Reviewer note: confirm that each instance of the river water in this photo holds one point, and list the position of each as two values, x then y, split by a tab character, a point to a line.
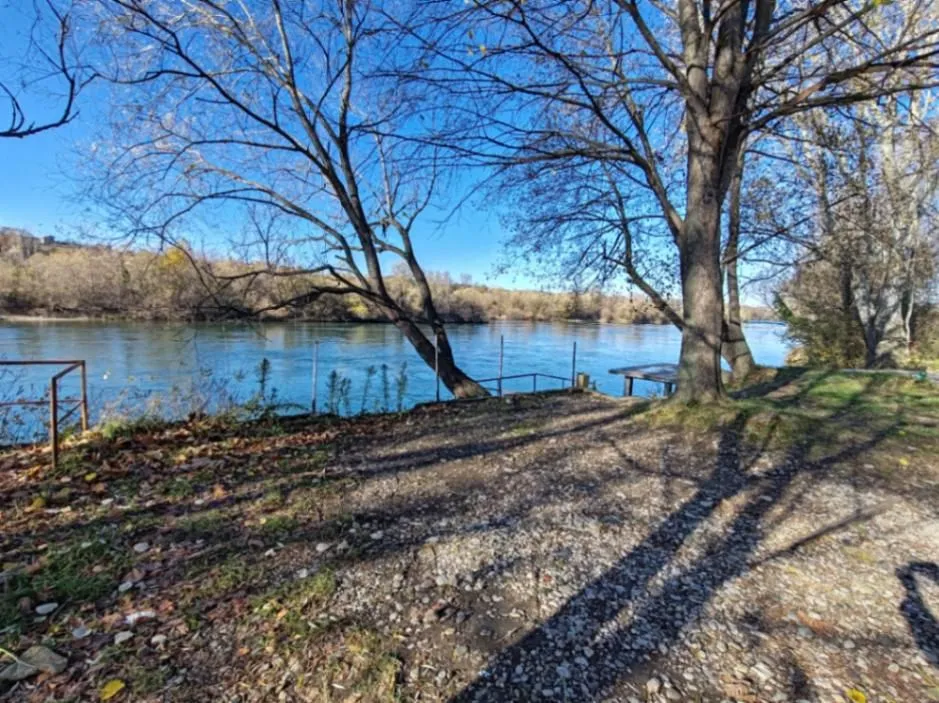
181	366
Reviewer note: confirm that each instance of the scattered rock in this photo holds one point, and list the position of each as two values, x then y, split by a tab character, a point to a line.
138	615
122	637
158	639
34	660
80	632
653	686
17	671
46	608
141	547
436	612
760	673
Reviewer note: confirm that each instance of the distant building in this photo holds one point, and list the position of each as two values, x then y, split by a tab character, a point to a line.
20	244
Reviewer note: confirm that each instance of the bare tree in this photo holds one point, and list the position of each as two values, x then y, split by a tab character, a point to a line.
48	58
872	171
735	347
278	120
627	83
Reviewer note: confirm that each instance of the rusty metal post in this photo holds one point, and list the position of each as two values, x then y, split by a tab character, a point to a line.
84	399
316	363
501	359
54	421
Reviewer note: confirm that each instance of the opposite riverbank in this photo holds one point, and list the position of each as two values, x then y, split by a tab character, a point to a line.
49	279
567	546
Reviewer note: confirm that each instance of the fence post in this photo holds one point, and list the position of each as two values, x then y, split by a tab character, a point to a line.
574	365
501	357
84	400
437	365
54	421
316	363
534	383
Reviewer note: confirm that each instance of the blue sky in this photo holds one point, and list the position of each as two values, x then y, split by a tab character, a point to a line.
39	185
38	193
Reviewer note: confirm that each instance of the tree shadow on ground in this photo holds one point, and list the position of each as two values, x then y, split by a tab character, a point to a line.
614	624
923	623
639	607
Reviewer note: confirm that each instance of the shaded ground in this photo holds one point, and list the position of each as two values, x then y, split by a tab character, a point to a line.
559	547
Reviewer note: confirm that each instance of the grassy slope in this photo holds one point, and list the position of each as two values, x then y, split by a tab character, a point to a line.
229	494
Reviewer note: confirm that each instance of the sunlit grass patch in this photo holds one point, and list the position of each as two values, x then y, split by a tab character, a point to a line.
279	525
211	580
294	613
117	428
74	574
523	429
206	524
824	412
361	665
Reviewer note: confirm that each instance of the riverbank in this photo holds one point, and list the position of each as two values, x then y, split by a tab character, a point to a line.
71	280
569	547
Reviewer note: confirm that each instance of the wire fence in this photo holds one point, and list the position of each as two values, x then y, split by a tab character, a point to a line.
338	384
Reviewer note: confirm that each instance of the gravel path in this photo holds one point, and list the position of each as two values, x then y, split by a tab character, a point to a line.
549	550
558	549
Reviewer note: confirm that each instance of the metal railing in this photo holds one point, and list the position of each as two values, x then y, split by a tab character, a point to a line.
534	376
565	382
79	404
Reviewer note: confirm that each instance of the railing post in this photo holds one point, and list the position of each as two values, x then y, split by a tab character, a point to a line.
574	365
54	421
84	399
501	358
316	364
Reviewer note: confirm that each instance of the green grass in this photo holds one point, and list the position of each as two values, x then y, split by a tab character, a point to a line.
825	411
123	427
79	572
280	525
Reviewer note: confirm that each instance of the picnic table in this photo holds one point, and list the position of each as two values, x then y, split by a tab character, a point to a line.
666	374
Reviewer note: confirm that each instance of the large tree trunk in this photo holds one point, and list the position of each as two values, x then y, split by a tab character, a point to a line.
456	381
884	332
735	347
699	366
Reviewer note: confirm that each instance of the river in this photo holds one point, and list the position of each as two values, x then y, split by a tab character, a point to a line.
177	367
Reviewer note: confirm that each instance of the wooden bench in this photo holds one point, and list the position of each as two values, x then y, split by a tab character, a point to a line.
666	374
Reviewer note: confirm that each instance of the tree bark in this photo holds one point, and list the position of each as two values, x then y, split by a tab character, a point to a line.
699	366
456	381
735	347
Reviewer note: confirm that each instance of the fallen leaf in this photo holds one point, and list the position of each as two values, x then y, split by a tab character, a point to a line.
111	689
855	695
38	504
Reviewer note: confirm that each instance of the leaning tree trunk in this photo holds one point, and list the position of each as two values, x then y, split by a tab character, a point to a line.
699	366
735	347
456	381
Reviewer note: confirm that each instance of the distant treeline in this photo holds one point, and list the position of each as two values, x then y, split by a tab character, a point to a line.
52	279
